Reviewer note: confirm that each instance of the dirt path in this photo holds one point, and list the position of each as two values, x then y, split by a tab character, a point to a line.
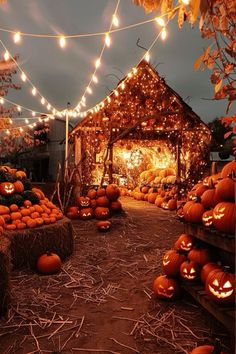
102	301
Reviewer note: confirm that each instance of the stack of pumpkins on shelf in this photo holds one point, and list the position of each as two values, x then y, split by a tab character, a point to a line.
188	262
100	203
212	201
157	176
22	206
162	198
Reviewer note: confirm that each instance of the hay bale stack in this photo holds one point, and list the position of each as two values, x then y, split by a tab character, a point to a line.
27	245
4	274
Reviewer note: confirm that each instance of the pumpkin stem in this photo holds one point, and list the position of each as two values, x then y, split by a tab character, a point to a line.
48	253
217	347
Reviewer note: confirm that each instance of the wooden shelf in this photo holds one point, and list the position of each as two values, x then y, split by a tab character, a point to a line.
224	314
213	237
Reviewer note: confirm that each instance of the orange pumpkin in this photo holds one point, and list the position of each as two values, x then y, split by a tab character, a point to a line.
206	269
152	197
92	193
16	215
21	174
39	193
200	255
166	288
7	188
102	213
158	201
21	226
209	198
116	206
172	204
14	207
207	218
31	223
19	187
2	221
228	169
86	213
171	262
102	201
144	190
49	263
113	192
103	226
101	192
224	217
225	190
204	349
10	227
194	212
220	287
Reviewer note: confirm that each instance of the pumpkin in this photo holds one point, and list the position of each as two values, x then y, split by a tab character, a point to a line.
144	189
207	268
32	196
93	203
200	255
190	270
112	192
225	190
194	212
72	212
228	169
205	349
171	262
13	207
38	192
104	226
209	198
7	188
116	206
2	221
103	201
49	263
21	174
219	286
83	202
92	193
16	215
224	217
102	213
152	197
207	218
184	243
172	204
166	288
200	190
101	192
86	213
158	201
19	187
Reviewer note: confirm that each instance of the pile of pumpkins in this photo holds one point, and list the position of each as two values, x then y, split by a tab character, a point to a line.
189	262
212	201
22	206
156	176
100	203
162	198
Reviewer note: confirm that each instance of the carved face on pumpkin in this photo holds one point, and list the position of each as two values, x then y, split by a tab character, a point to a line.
83	202
220	286
104	225
165	288
171	262
185	242
86	213
190	270
7	188
207	218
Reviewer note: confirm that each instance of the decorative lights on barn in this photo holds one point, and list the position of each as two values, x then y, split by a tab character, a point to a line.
147	57
115	20
6	55
17	37
163	34
107	40
62	42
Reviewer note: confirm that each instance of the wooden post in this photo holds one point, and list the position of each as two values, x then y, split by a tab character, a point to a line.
110	167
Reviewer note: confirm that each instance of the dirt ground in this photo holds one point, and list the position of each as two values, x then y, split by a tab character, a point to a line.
102	301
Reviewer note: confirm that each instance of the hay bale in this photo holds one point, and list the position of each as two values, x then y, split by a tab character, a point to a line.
4	274
27	245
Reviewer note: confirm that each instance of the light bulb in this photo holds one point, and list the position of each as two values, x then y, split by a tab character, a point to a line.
109	99
43	100
95	79
8	132
34	124
33	113
10	121
6	55
185	2
115	20
1	100
160	21
129	74
97	63
135	70
62	41
26	121
40	119
89	90
17	37
21	129
19	108
107	40
48	106
147	57
116	93
123	85
34	91
163	34
23	77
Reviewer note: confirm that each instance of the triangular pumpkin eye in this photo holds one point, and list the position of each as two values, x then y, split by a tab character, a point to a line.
171	288
185	270
183	242
227	285
215	282
189	244
161	287
192	271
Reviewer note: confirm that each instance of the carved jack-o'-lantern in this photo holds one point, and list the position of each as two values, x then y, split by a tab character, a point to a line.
171	262
219	286
7	188
102	213
207	218
86	213
224	217
207	268
190	270
104	226
166	288
185	242
83	202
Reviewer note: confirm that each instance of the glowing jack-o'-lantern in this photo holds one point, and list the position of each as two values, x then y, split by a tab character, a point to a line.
207	218
102	213
83	202
220	286
166	288
207	268
7	188
86	213
190	270
104	226
224	217
171	262
185	243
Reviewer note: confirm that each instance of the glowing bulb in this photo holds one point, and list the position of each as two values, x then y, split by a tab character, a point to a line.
123	85
163	34
52	117
1	100
115	20
83	104
40	119
109	99
116	93
34	125
147	57
34	91
21	129
33	113
8	132
135	70
6	55
129	75
95	79
10	121
43	100
160	21
48	106
89	90
19	108
62	41
17	37
97	63
185	2
107	40
102	104
23	77
26	121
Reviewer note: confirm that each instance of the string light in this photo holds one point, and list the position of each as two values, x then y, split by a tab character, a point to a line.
33	114
107	40
26	121
34	91
17	37
160	21
95	79
89	90
115	20
43	100
97	63
62	41
147	57
23	77
1	100
163	34
185	2
18	108
6	55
